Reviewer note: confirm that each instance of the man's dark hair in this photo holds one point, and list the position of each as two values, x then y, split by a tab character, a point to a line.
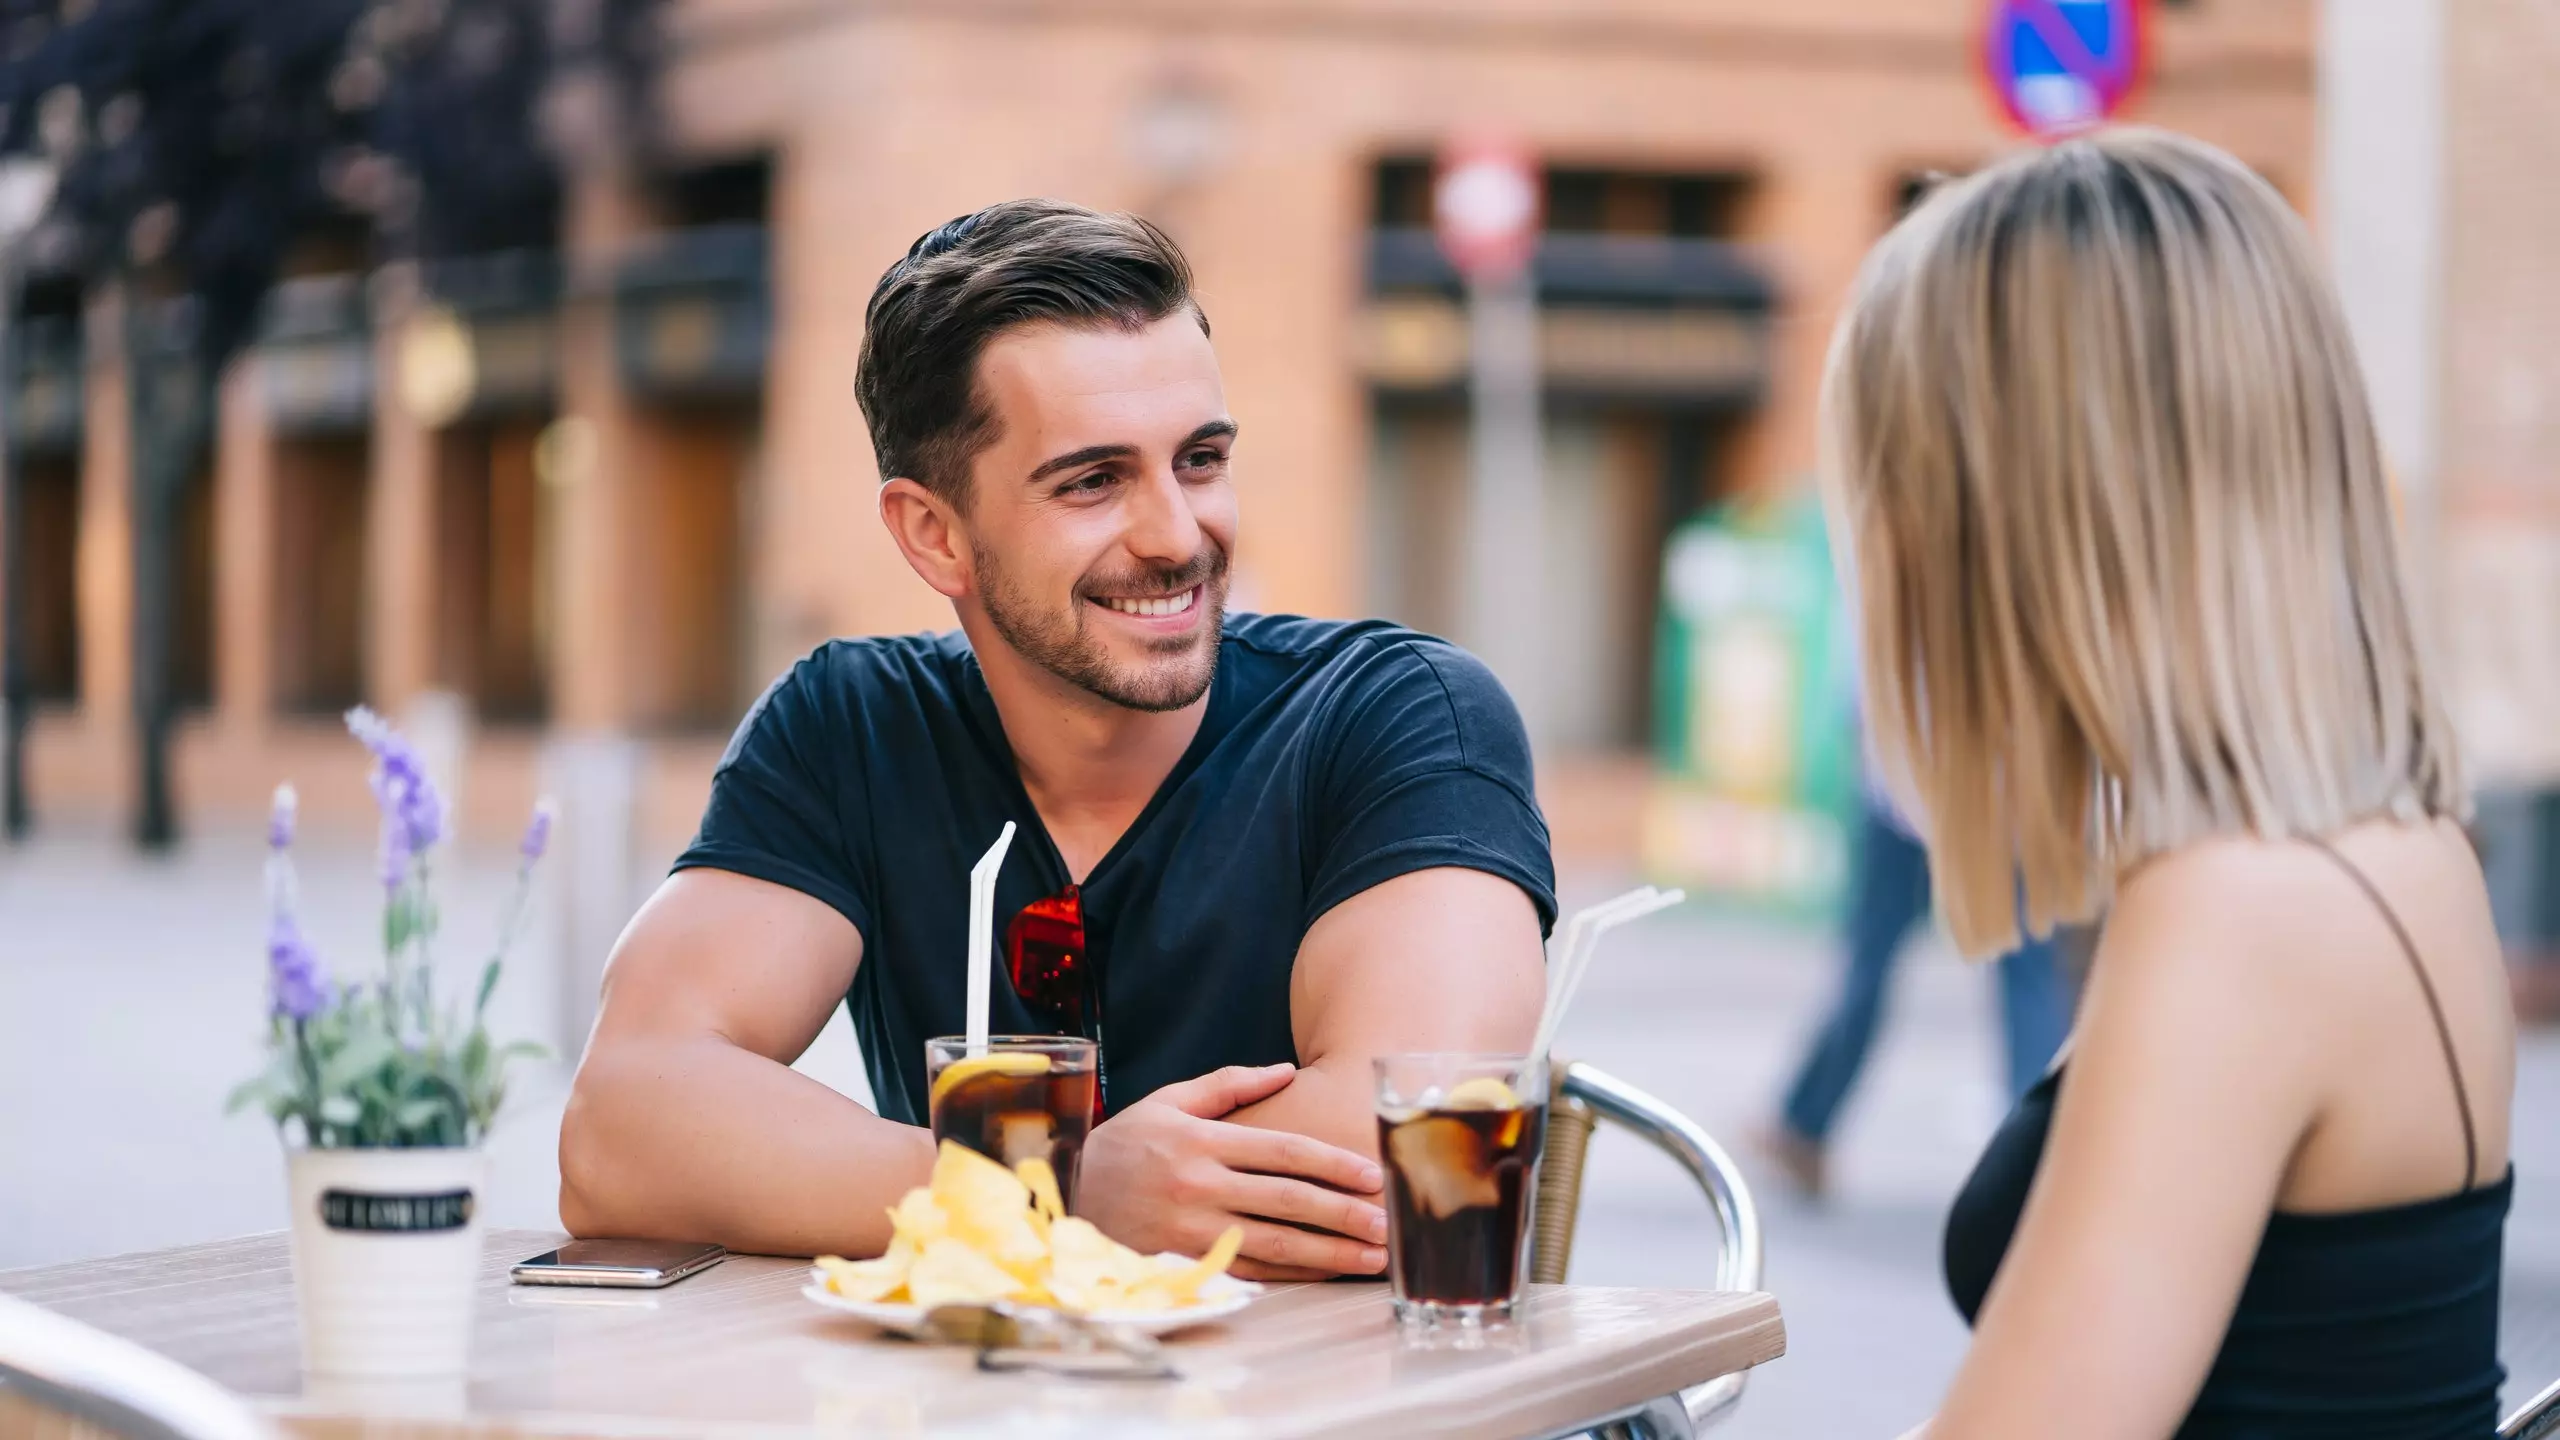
1014	263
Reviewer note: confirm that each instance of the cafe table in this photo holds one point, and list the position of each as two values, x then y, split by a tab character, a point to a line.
737	1351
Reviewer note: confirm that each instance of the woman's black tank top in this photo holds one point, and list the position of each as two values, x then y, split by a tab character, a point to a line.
2380	1323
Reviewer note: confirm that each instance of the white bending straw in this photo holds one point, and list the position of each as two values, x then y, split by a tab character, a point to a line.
1659	900
982	927
1579	932
1566	944
1581	942
1564	957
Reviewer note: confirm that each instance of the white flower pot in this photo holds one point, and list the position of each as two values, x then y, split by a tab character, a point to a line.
386	1255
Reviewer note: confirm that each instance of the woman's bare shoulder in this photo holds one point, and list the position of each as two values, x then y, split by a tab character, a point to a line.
2285	922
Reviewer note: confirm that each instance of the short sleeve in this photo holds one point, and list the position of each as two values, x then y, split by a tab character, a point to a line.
1426	765
780	797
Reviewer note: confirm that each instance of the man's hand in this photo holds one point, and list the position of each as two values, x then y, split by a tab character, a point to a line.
1169	1173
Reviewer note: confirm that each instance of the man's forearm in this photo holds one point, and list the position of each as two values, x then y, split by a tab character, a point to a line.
697	1139
1330	1100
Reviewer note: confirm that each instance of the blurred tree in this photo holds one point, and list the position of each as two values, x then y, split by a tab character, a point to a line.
194	141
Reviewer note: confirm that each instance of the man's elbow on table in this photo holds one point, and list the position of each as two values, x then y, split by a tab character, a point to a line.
594	1196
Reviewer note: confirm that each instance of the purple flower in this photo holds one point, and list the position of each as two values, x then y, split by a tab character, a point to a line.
280	820
401	789
296	988
537	835
395	853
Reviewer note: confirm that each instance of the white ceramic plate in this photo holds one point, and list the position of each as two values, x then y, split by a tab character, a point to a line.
1223	1296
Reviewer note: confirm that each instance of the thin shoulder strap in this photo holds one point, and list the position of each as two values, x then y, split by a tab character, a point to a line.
2427	987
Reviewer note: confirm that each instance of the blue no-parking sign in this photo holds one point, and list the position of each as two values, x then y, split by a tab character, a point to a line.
2062	65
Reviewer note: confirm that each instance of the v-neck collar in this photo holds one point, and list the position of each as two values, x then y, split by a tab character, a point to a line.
987	726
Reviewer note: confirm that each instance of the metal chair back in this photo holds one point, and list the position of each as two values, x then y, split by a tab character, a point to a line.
2539	1417
1580	1097
63	1380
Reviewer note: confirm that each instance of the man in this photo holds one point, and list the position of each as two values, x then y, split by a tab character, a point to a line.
1292	845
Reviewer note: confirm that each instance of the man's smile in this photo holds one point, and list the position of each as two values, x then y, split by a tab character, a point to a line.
1177	607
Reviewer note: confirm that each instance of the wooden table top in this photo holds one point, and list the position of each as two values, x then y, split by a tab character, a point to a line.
736	1351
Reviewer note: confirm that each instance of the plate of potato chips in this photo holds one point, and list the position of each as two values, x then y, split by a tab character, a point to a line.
980	1233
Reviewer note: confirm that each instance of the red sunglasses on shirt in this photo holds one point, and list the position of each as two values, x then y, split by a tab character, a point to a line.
1044	952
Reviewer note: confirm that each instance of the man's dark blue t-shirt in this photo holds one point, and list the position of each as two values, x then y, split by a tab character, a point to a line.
1332	757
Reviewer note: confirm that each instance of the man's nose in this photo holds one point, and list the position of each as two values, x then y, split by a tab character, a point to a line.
1162	529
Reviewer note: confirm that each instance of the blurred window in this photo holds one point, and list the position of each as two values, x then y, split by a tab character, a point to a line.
49	507
47	346
1587	201
693	324
733	192
322	486
191	606
494	534
1403	195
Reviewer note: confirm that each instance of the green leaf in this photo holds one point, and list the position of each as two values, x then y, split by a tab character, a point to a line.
274	1087
488	983
340	1110
364	1052
485	1113
419	1114
253	1089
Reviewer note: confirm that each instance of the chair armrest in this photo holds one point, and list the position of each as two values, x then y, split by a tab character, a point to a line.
1738	1260
66	1366
2539	1417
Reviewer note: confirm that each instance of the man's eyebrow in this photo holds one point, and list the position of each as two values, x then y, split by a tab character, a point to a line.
1086	456
1095	454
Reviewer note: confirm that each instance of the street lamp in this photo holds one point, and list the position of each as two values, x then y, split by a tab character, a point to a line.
26	188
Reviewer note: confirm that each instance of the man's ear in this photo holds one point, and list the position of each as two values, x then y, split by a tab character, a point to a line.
930	533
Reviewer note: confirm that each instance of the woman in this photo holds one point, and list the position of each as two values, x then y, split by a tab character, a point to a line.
2134	629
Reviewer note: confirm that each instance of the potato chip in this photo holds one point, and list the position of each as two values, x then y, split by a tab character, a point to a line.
1090	1266
949	1272
1182	1286
1075	1238
1091	1272
981	1232
989	1209
1046	1206
919	1219
973	1189
869	1280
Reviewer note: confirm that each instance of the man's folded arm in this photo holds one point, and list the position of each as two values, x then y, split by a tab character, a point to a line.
1447	958
1432	882
686	1120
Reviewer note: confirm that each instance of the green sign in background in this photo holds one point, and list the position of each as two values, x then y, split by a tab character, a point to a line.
1754	746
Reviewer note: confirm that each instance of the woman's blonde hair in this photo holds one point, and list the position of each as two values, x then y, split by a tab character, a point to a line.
2096	440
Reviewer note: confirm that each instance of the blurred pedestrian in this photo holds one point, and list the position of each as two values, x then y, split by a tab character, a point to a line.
2135	630
2524	864
1888	894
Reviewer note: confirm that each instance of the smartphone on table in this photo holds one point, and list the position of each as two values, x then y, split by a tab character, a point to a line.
620	1264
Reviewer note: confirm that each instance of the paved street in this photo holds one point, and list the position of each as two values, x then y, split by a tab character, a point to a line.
130	992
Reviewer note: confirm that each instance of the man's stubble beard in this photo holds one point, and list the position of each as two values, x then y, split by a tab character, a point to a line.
1063	647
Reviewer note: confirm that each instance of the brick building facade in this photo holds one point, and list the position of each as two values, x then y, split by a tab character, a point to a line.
597	498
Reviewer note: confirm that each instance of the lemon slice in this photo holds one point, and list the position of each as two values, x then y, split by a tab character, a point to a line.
1482	1093
1002	1062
